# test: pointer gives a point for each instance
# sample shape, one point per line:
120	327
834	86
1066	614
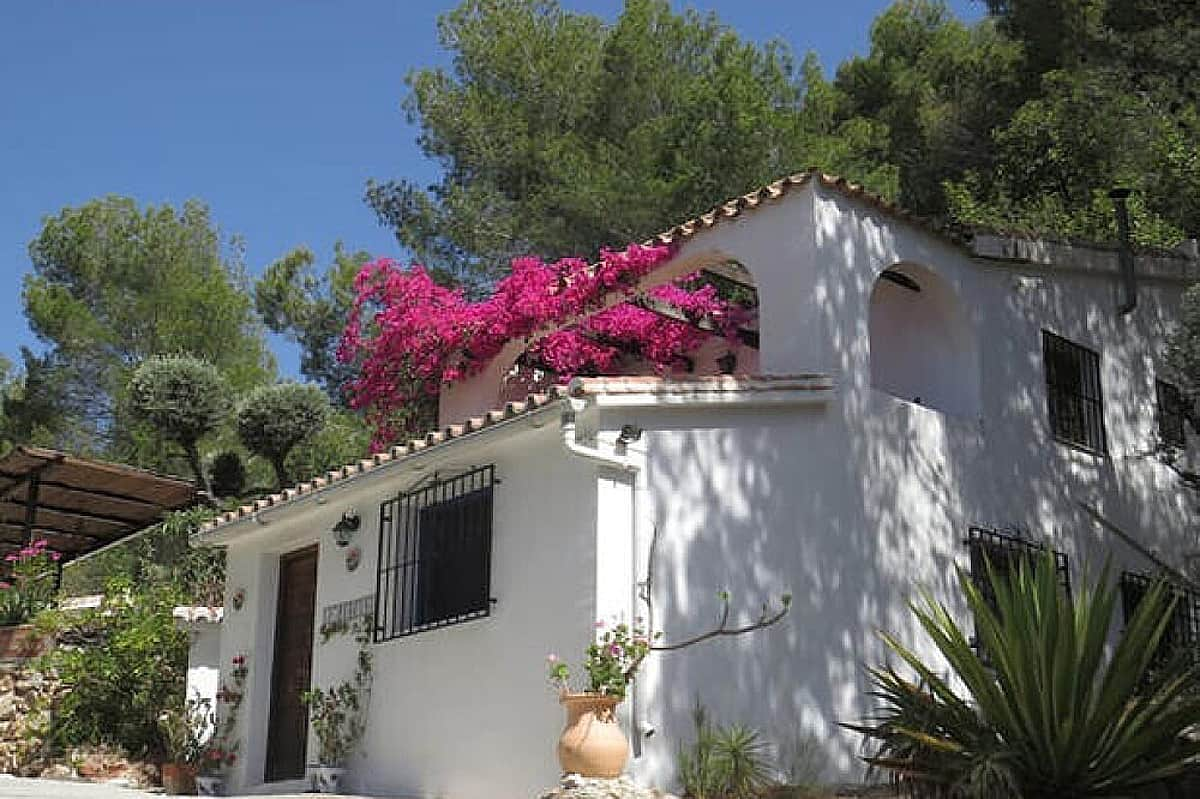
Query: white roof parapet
723	390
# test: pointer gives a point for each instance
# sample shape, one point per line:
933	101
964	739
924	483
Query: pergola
79	505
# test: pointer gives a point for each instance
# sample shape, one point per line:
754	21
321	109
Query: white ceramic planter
210	785
328	779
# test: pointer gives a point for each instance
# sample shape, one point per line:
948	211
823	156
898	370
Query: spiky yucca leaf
1050	714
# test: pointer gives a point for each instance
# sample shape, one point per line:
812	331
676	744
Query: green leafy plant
611	661
220	751
30	585
272	420
227	474
338	714
184	398
121	664
731	762
185	727
1049	715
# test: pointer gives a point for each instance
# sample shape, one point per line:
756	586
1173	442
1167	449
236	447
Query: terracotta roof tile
772	191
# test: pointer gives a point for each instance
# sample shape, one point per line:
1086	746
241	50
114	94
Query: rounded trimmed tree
184	398
272	420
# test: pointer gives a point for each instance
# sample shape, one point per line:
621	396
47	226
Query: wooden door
294	620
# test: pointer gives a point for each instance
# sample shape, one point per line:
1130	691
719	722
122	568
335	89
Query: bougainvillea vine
410	336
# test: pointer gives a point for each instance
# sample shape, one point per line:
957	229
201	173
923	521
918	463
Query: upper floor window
1076	404
1172	411
435	555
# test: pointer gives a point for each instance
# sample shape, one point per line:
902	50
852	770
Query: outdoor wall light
346	527
629	433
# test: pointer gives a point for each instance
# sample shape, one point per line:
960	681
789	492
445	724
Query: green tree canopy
185	399
311	309
559	134
113	284
272	420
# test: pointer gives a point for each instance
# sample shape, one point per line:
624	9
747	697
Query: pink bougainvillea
409	336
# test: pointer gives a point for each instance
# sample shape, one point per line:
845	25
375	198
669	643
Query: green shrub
161	555
1050	715
184	398
227	474
731	762
122	664
272	420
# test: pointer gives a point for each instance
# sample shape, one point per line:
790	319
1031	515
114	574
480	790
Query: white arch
923	347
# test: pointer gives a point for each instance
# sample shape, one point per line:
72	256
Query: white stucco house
913	396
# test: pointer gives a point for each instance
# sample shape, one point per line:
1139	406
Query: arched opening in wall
923	347
703	323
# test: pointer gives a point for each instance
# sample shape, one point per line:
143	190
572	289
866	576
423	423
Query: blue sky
274	113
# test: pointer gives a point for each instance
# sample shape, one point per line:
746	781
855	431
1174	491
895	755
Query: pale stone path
21	788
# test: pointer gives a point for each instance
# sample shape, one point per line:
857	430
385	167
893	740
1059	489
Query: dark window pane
435	555
1073	393
1172	409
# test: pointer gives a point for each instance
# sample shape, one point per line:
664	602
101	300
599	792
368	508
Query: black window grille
1183	631
1172	411
435	555
1076	404
1005	552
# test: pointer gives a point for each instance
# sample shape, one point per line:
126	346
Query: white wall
204	661
465	710
853	507
850	506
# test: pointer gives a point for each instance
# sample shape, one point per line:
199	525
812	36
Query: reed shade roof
79	505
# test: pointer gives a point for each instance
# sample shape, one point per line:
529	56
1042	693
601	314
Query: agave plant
1049	713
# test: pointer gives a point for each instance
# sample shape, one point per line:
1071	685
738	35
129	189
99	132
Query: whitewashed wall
853	507
465	710
848	505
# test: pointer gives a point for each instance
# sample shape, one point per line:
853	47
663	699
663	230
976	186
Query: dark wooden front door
288	732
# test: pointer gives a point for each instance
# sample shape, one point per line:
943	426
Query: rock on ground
574	786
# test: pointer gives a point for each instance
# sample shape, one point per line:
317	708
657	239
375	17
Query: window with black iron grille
435	555
1075	401
1004	552
1171	414
1183	631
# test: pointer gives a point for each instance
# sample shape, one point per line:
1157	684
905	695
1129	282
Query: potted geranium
28	590
338	716
184	730
220	753
592	743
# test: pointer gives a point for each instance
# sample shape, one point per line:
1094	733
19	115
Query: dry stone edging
573	786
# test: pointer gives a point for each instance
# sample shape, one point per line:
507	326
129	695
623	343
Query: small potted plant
220	753
28	589
184	729
592	743
338	716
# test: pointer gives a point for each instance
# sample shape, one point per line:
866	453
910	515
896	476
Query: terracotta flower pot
20	642
178	779
592	744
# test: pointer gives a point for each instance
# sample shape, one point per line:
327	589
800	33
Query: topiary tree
185	398
228	474
274	419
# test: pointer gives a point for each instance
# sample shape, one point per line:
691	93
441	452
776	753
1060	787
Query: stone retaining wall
26	696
